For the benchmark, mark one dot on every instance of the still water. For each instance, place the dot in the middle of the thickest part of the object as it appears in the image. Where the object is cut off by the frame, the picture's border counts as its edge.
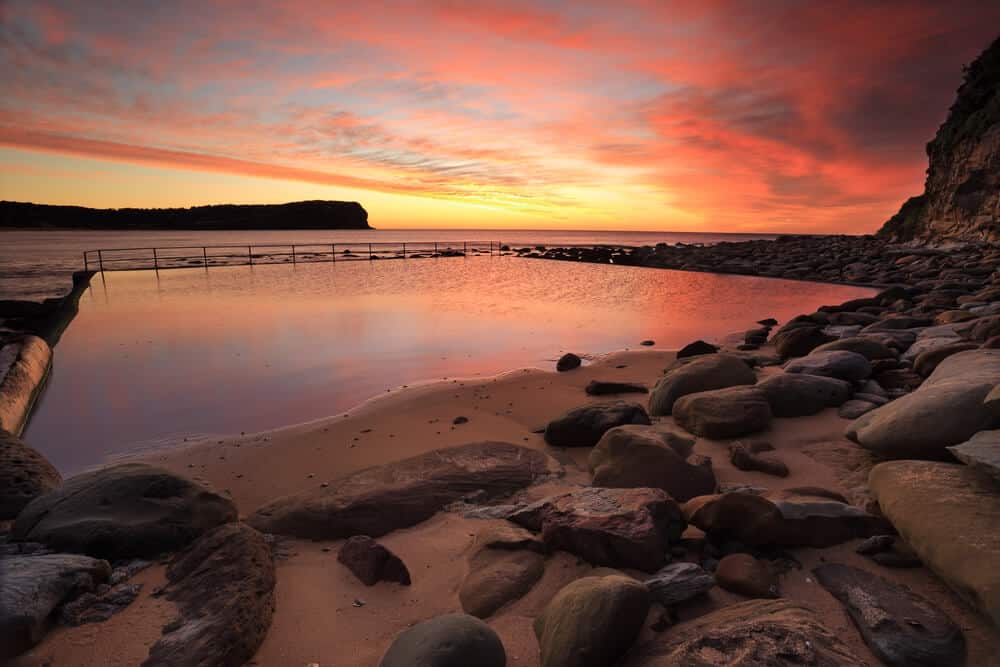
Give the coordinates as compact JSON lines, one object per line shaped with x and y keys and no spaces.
{"x":154,"y":357}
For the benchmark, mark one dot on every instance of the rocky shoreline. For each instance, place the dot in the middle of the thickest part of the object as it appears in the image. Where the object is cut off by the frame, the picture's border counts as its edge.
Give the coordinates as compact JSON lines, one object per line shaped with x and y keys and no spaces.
{"x":825,"y":492}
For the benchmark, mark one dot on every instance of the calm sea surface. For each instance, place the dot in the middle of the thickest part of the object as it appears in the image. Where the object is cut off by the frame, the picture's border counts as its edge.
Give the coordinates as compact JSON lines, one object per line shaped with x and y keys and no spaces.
{"x":37,"y":264}
{"x":154,"y":357}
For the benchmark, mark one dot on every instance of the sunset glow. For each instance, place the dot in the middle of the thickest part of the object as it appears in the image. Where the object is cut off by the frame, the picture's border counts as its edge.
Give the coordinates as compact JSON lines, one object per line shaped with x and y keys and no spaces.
{"x":720,"y":116}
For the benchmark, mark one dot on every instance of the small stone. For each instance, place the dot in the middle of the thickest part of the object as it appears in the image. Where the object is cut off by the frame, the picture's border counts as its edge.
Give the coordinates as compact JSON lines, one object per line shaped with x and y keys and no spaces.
{"x":744,"y":574}
{"x":371,"y":562}
{"x":460,"y":420}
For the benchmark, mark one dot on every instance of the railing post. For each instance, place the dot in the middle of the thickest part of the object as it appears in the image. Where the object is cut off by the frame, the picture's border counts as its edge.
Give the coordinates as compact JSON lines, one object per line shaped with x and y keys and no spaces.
{"x":86,"y":262}
{"x":156,"y":262}
{"x":293,"y":253}
{"x":333,"y":252}
{"x":465,"y":247}
{"x":100,"y":260}
{"x":435,"y":247}
{"x":204,"y":255}
{"x":369,"y":251}
{"x":250,"y":254}
{"x":404,"y":251}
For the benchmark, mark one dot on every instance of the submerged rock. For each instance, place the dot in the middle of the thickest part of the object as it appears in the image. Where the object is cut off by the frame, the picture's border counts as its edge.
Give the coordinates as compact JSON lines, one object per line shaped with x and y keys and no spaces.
{"x":451,"y":640}
{"x":584,"y":426}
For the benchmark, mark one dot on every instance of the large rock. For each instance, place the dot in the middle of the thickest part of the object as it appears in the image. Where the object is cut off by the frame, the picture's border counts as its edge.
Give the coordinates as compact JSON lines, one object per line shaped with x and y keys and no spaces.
{"x":743,"y":574}
{"x":981,"y":452}
{"x":591,"y":622}
{"x":33,"y":587}
{"x":128,"y":510}
{"x":723,"y":413}
{"x":24,"y":475}
{"x":925,"y":362}
{"x":452,"y":640}
{"x":223,"y":586}
{"x":866,"y":346}
{"x":799,"y":395}
{"x":679,"y":582}
{"x":840,"y":364}
{"x":372,"y":562}
{"x":703,"y":373}
{"x":377,"y":500}
{"x":800,"y":341}
{"x":946,"y":410}
{"x":948,"y":514}
{"x":983,"y":329}
{"x":900,"y":627}
{"x":584,"y":426}
{"x":642,"y":456}
{"x":899,"y":322}
{"x":498,"y":576}
{"x":618,"y":527}
{"x":24,"y":365}
{"x":756,"y":633}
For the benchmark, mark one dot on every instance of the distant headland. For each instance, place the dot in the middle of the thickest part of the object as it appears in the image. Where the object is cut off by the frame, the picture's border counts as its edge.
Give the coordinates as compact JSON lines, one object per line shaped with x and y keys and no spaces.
{"x":317,"y":214}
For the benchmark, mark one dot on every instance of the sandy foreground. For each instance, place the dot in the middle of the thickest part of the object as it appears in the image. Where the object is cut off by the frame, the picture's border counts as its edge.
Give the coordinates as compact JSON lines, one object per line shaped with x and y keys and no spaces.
{"x":325,"y":616}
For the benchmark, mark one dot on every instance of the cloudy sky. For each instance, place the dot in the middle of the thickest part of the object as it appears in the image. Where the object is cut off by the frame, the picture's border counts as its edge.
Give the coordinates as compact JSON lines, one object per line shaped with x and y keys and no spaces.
{"x":785,"y":116}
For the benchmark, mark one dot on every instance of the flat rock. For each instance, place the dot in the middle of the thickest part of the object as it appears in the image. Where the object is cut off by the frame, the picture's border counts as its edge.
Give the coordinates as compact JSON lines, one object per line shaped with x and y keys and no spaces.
{"x":584,"y":426}
{"x":127,"y":510}
{"x":981,"y":452}
{"x":591,"y":622}
{"x":604,"y":387}
{"x":948,"y":514}
{"x":703,"y":373}
{"x":378,"y":500}
{"x":497,"y":577}
{"x":840,"y":364}
{"x":451,"y":640}
{"x":643,"y":456}
{"x":508,"y":536}
{"x":372,"y":562}
{"x":743,"y":574}
{"x":679,"y":582}
{"x":24,"y":475}
{"x":33,"y":587}
{"x":900,"y":627}
{"x":800,"y":395}
{"x":223,"y":586}
{"x":855,"y":408}
{"x":755,"y":633}
{"x":868,"y":347}
{"x":631,"y":528}
{"x":723,"y":413}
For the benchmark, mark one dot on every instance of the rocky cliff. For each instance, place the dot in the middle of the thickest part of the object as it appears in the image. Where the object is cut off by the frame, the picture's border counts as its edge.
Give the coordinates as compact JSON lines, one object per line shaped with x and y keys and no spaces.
{"x":296,"y":215}
{"x":961,"y":199}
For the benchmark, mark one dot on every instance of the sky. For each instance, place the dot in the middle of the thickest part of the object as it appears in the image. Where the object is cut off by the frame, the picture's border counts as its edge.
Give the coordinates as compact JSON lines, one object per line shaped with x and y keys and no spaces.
{"x":699,"y":115}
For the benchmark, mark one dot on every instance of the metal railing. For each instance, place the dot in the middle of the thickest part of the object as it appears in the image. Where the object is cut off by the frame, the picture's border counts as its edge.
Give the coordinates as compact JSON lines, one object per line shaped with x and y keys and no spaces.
{"x":179,"y":257}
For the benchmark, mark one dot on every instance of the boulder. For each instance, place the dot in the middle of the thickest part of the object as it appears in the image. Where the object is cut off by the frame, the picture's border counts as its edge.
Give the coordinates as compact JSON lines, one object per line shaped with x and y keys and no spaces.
{"x":715,"y":371}
{"x":631,"y":528}
{"x":696,"y":348}
{"x":800,"y":341}
{"x":129,"y":510}
{"x":723,"y":413}
{"x":451,"y":640}
{"x":678,"y":582}
{"x":896,"y":322}
{"x":371,"y":562}
{"x":745,"y":457}
{"x":24,"y":475}
{"x":32,"y":587}
{"x":946,"y":410}
{"x":591,"y":622}
{"x":498,"y":576}
{"x":24,"y":366}
{"x":868,"y":347}
{"x":981,"y":452}
{"x":925,"y":362}
{"x":603,"y":388}
{"x":982,"y":329}
{"x":799,"y":395}
{"x":900,"y":627}
{"x":930,"y":344}
{"x":743,"y":574}
{"x":584,"y":426}
{"x":948,"y":514}
{"x":642,"y":456}
{"x":568,"y":362}
{"x":840,"y":364}
{"x":378,"y":500}
{"x":223,"y":587}
{"x":755,"y":633}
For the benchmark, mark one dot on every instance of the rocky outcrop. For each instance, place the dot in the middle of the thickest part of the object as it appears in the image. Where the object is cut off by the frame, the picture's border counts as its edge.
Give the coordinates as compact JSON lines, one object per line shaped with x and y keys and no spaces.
{"x":24,"y":367}
{"x":24,"y":475}
{"x":446,"y":641}
{"x":377,"y":500}
{"x":961,"y":199}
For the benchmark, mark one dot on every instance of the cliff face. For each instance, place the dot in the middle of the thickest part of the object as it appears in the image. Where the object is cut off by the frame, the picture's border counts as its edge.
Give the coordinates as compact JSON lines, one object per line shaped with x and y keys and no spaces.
{"x":961,"y":199}
{"x":296,"y":215}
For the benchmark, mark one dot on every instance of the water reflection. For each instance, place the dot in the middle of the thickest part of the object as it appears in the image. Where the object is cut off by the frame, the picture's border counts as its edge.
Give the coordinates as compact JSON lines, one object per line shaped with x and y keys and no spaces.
{"x":155,"y":357}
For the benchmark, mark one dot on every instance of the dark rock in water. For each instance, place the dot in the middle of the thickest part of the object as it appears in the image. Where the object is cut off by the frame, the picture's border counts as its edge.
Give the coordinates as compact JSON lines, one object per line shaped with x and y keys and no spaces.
{"x":876,"y":544}
{"x":568,"y":362}
{"x":24,"y":475}
{"x":704,"y":373}
{"x":223,"y":585}
{"x":769,"y":322}
{"x":377,"y":500}
{"x":840,"y":364}
{"x":602,"y":388}
{"x":648,"y":343}
{"x":755,"y":633}
{"x":743,"y":457}
{"x":799,"y":395}
{"x":591,"y":622}
{"x":497,"y":577}
{"x":696,"y":348}
{"x":678,"y":582}
{"x":123,"y":511}
{"x":371,"y":562}
{"x":643,"y":456}
{"x":584,"y":426}
{"x":452,"y":640}
{"x":799,"y":341}
{"x":631,"y":528}
{"x":900,"y":627}
{"x":744,"y":574}
{"x":756,"y":336}
{"x":723,"y":413}
{"x":33,"y":587}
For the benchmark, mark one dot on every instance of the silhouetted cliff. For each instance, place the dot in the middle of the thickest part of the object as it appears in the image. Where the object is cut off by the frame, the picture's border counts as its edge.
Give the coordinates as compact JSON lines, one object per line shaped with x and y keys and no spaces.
{"x":961,"y":199}
{"x":296,"y":215}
